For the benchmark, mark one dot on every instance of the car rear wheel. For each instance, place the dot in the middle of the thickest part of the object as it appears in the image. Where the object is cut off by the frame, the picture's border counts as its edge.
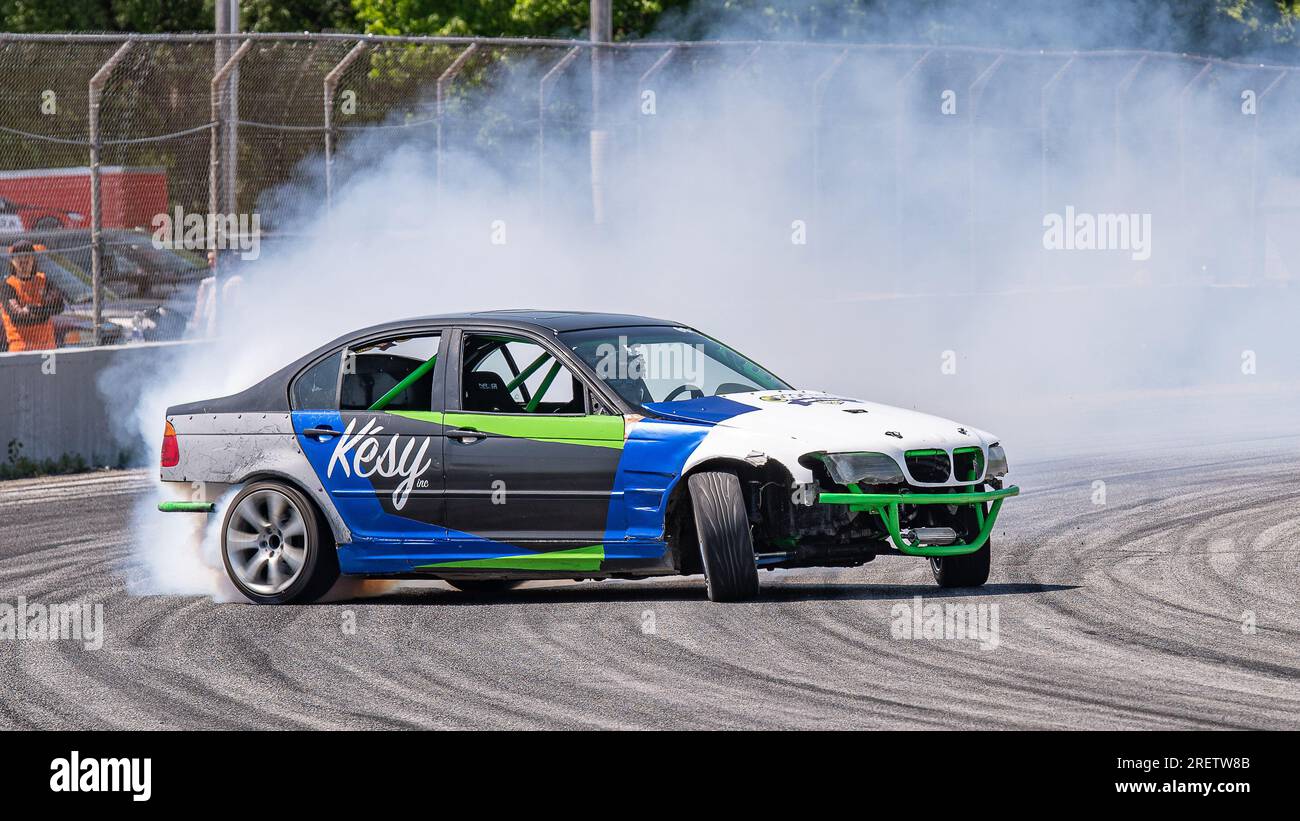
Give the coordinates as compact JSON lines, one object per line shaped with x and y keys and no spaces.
{"x":971,"y":570}
{"x":483,"y":585}
{"x":275,"y":547}
{"x":726,"y":546}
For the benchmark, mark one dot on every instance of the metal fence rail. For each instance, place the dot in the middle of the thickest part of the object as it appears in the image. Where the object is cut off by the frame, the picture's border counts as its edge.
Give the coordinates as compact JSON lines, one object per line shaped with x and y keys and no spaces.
{"x":211,"y":124}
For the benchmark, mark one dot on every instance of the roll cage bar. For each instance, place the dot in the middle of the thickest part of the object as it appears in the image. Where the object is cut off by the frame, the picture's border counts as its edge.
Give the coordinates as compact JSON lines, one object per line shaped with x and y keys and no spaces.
{"x":446,"y":366}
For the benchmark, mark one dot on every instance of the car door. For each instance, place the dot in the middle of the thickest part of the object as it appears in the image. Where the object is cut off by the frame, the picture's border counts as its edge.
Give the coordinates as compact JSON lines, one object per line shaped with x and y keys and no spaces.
{"x":368,"y":419}
{"x":530,"y":455}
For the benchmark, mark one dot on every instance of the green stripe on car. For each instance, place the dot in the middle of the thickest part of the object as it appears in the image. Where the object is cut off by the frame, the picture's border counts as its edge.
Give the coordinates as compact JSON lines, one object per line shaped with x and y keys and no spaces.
{"x":592,"y":431}
{"x":577,"y":558}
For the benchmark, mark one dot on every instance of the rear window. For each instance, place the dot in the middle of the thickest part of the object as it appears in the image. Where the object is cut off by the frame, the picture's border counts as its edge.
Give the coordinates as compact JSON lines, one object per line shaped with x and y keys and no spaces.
{"x":317,"y":387}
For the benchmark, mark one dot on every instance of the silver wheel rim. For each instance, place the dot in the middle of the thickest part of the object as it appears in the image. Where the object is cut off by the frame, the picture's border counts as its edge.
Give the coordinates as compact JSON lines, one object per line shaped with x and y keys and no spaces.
{"x":266,"y":542}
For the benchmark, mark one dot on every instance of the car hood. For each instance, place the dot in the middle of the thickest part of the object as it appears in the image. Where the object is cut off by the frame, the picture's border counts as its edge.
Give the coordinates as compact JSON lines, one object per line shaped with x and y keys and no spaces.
{"x":823,"y":421}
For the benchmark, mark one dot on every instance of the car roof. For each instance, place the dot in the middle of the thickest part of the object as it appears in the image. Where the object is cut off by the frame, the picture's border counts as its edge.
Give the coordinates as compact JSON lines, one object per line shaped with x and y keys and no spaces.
{"x":272,"y":393}
{"x":531,"y":319}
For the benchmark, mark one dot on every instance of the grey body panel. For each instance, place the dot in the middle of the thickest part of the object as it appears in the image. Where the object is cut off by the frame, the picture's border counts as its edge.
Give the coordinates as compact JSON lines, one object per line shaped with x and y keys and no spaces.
{"x":223,"y":449}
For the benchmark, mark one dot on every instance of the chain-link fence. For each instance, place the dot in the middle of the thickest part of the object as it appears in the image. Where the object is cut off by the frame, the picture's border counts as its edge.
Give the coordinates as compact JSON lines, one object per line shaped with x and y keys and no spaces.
{"x":109,"y":142}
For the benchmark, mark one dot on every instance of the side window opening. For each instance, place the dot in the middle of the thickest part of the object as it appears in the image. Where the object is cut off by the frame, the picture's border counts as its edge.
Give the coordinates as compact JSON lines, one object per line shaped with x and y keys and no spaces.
{"x":392,"y":375}
{"x":504,"y":374}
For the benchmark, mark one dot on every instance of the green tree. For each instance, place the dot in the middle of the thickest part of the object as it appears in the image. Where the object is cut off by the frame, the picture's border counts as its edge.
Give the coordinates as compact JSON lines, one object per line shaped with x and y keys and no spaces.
{"x":505,"y":18}
{"x":150,"y":16}
{"x":1263,"y":23}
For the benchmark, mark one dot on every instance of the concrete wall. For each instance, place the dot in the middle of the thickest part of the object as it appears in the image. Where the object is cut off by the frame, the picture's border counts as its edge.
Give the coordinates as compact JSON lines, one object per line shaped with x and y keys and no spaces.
{"x":52,"y":402}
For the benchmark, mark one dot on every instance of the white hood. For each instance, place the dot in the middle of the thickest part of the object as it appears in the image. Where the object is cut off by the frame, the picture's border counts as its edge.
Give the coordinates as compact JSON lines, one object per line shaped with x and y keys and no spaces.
{"x":787,"y":424}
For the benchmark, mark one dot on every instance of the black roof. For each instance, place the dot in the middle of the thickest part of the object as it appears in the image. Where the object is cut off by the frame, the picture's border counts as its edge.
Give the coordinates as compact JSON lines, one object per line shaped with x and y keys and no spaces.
{"x":548,"y":320}
{"x":272,"y":393}
{"x":536,"y":320}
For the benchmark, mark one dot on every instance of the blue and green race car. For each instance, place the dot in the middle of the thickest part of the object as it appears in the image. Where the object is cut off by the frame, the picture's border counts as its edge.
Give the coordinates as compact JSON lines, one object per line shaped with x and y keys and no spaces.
{"x":490,"y":448}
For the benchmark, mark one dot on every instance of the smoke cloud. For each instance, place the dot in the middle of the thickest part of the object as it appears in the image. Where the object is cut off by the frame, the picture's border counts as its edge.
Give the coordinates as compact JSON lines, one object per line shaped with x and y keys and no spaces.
{"x":1081,"y":253}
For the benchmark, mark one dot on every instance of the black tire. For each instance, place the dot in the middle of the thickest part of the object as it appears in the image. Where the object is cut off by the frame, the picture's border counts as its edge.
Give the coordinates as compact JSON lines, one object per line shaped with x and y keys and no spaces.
{"x":320,"y":566}
{"x":971,"y":570}
{"x":726,"y":546}
{"x":484,"y":585}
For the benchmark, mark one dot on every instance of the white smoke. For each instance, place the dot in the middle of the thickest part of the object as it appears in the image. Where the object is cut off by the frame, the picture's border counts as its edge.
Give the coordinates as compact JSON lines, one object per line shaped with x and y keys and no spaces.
{"x":901,"y":292}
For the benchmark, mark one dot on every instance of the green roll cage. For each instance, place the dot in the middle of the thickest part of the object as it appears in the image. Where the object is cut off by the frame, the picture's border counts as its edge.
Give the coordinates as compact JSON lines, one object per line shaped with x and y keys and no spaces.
{"x":519,"y":378}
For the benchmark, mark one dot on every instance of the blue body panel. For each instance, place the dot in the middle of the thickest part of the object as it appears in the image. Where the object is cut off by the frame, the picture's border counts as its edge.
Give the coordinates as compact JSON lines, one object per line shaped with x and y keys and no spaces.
{"x":386,"y":542}
{"x":653,"y":456}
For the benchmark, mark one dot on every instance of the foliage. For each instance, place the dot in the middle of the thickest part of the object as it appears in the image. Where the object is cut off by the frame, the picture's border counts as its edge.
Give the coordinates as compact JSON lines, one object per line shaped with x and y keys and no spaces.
{"x":19,"y":466}
{"x":172,"y":15}
{"x":1226,"y":28}
{"x":504,"y":18}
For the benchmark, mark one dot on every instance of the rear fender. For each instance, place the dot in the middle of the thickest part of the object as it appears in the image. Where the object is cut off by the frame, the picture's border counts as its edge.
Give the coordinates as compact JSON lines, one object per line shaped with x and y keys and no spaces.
{"x":235,"y":448}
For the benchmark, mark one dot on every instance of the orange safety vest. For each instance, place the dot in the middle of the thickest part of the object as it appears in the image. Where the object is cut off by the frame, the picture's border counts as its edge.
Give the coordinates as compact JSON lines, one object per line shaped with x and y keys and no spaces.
{"x":38,"y":336}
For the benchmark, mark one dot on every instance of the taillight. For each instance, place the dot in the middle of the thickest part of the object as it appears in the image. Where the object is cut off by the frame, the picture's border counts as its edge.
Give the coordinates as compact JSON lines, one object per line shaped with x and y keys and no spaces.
{"x":171,"y":450}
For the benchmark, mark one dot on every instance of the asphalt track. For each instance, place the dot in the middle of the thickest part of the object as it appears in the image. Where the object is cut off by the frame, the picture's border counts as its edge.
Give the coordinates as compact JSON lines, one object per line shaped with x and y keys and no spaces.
{"x":1127,"y":614}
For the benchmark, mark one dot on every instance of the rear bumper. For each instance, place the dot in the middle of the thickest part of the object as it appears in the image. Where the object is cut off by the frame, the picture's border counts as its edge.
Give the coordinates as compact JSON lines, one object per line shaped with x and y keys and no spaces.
{"x":885,"y":505}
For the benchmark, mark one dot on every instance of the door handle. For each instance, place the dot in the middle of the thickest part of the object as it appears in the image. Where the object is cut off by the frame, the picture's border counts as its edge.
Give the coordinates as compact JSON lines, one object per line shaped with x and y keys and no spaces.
{"x":321,"y":433}
{"x":466,"y":435}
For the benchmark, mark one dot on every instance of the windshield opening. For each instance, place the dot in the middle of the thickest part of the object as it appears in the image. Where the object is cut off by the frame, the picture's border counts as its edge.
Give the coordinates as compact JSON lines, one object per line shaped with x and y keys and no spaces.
{"x":645,"y":364}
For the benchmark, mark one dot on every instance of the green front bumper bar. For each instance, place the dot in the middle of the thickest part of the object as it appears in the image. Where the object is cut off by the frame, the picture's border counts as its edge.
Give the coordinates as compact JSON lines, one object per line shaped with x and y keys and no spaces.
{"x":885,"y":505}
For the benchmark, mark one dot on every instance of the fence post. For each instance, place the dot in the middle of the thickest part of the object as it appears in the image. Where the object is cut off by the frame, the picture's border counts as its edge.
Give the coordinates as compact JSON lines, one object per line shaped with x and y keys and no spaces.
{"x":1185,"y":222}
{"x":819,"y":96}
{"x":602,"y":33}
{"x":974,"y":92}
{"x":1258,"y":254}
{"x":96,"y":204}
{"x":899,"y":137}
{"x":444,"y":81}
{"x":1121,"y":89}
{"x":642,"y":84}
{"x":214,"y":168}
{"x":331,"y":86}
{"x":230,"y":140}
{"x":549,"y":79}
{"x":1044,"y":95}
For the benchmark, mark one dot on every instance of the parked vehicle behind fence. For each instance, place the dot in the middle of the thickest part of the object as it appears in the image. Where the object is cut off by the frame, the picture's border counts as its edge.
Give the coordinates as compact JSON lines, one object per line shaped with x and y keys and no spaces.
{"x":122,"y":319}
{"x":49,"y":198}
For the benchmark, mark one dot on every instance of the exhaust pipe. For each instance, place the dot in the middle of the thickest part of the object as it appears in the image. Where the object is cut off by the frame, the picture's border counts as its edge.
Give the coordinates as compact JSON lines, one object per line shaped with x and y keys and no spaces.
{"x":931,"y":535}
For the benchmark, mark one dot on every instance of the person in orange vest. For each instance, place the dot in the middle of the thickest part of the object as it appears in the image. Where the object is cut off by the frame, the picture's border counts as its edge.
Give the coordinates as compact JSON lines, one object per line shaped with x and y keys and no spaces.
{"x":28,"y":303}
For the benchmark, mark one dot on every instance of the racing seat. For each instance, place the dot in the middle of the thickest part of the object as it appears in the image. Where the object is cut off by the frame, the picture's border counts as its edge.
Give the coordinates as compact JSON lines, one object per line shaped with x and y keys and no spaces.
{"x":485,"y":391}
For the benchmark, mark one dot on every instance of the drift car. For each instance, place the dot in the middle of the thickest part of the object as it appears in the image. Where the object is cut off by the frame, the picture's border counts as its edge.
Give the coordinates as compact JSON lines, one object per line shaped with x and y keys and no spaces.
{"x":490,"y":448}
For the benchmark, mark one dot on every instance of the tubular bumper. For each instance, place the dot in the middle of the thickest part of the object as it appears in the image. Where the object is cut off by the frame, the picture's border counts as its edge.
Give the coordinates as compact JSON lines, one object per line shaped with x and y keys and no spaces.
{"x":885,"y":505}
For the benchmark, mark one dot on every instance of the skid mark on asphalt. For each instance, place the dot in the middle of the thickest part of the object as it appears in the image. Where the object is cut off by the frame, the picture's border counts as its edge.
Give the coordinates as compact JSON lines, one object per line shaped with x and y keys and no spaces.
{"x":1126,"y":615}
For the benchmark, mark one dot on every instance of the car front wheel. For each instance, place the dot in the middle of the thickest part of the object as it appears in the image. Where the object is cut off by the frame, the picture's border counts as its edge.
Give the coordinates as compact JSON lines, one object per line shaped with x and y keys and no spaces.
{"x":275,"y":547}
{"x":971,"y":570}
{"x":726,"y":546}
